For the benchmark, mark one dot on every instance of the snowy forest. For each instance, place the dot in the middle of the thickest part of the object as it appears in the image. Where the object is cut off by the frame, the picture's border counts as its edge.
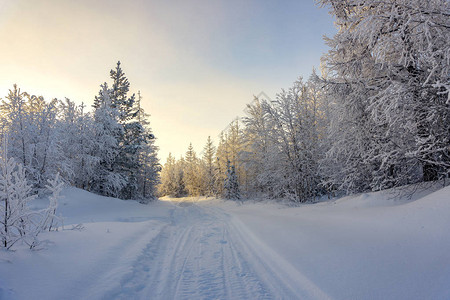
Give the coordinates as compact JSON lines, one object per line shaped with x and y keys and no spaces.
{"x":377,"y":117}
{"x":339,"y":184}
{"x":109,"y":151}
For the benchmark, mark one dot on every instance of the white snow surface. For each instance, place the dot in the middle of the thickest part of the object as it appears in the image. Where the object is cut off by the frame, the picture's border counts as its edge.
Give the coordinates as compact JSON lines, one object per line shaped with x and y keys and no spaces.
{"x":368,"y":246}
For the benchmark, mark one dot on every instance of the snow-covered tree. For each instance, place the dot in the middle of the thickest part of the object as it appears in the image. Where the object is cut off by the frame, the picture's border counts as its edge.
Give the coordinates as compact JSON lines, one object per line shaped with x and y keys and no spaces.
{"x":180,"y":168}
{"x":110,"y":151}
{"x":209,"y":152}
{"x":55,"y":187}
{"x":255,"y":154}
{"x":148,"y":176}
{"x":30,"y":123}
{"x":85,"y":159}
{"x":133,"y":134}
{"x":136,"y":161}
{"x":75,"y":138}
{"x":293,"y":155}
{"x":231,"y":184}
{"x":229,"y":149}
{"x":393,"y":56}
{"x":168,"y":178}
{"x":15,"y":122}
{"x":192,"y":173}
{"x":15,"y":193}
{"x":119,"y":95}
{"x":220,"y":165}
{"x":107,"y":180}
{"x":17,"y":221}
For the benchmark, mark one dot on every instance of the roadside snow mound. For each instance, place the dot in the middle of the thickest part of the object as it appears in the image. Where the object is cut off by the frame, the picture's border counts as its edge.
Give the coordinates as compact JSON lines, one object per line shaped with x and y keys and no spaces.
{"x":362,"y":247}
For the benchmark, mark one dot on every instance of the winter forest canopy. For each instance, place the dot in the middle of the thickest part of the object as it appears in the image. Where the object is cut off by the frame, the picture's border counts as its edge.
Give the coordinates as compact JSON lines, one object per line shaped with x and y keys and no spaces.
{"x":378,"y":116}
{"x":109,"y":151}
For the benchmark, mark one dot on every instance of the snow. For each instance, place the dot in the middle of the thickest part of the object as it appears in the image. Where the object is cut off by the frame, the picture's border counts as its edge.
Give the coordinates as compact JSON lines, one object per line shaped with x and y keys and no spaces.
{"x":367,"y":246}
{"x":357,"y":249}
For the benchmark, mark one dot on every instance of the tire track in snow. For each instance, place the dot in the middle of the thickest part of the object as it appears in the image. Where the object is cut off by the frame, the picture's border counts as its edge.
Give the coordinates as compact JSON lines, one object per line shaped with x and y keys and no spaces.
{"x":144,"y":269}
{"x":280,"y":276}
{"x":204,"y":254}
{"x":108,"y":267}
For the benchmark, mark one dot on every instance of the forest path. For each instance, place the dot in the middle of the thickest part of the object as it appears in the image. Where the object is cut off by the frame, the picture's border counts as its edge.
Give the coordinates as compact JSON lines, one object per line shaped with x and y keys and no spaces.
{"x":203,"y":253}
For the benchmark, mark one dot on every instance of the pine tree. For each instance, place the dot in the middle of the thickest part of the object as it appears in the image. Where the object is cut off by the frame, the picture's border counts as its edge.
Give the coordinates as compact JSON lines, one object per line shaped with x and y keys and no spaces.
{"x":107,"y":181}
{"x":119,"y":95}
{"x":221,"y":164}
{"x":231,"y":184}
{"x":168,"y":178}
{"x":192,"y":176}
{"x":132,"y":137}
{"x":229,"y":149}
{"x":148,"y":176}
{"x":208,"y":162}
{"x":136,"y":161}
{"x":180,"y":167}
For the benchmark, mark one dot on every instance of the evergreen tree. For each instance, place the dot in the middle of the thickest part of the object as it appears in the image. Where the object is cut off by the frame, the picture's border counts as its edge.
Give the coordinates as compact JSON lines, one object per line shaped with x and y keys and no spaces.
{"x":221,"y":164}
{"x":168,"y":178}
{"x":180,"y":167}
{"x":119,"y":95}
{"x":192,"y":176}
{"x":231,"y":184}
{"x":132,"y":138}
{"x":209,"y":169}
{"x":107,"y":181}
{"x":136,"y":161}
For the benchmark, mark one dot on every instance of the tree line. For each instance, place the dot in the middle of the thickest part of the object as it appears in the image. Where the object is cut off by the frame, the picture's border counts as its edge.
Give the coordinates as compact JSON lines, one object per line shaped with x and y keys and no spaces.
{"x":377,"y":117}
{"x":109,"y":151}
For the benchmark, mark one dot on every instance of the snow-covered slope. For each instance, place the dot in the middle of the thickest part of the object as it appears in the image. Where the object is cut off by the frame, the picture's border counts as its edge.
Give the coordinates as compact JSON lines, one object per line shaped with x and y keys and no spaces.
{"x":368,"y":246}
{"x":360,"y":247}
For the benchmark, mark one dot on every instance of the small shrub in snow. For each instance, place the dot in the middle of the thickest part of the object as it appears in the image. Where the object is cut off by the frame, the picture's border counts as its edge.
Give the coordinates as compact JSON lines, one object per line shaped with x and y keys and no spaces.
{"x":17,"y":221}
{"x":15,"y":218}
{"x":55,"y":186}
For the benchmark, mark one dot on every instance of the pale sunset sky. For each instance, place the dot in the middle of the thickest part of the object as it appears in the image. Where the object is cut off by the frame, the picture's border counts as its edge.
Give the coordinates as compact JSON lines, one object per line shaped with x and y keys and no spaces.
{"x":197,"y":63}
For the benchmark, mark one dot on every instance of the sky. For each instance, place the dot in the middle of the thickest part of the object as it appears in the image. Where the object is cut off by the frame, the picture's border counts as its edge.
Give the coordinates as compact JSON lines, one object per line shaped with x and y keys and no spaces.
{"x":197,"y":63}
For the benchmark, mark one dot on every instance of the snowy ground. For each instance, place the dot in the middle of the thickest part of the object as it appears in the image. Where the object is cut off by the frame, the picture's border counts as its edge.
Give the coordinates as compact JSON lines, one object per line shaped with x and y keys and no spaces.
{"x":361,"y":247}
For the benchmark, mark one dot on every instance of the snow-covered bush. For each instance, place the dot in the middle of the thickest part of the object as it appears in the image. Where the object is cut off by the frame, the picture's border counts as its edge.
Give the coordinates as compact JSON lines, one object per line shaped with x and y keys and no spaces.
{"x":55,"y":186}
{"x":17,"y":221}
{"x":15,"y":193}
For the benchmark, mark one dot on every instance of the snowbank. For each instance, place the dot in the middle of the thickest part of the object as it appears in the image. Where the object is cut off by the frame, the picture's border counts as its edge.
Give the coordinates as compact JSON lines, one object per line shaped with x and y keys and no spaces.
{"x":368,"y":246}
{"x":74,"y":262}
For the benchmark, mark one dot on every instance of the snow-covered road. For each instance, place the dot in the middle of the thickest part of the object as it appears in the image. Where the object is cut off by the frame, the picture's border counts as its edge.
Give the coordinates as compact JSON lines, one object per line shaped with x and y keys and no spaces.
{"x":367,"y":246}
{"x":203,"y":253}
